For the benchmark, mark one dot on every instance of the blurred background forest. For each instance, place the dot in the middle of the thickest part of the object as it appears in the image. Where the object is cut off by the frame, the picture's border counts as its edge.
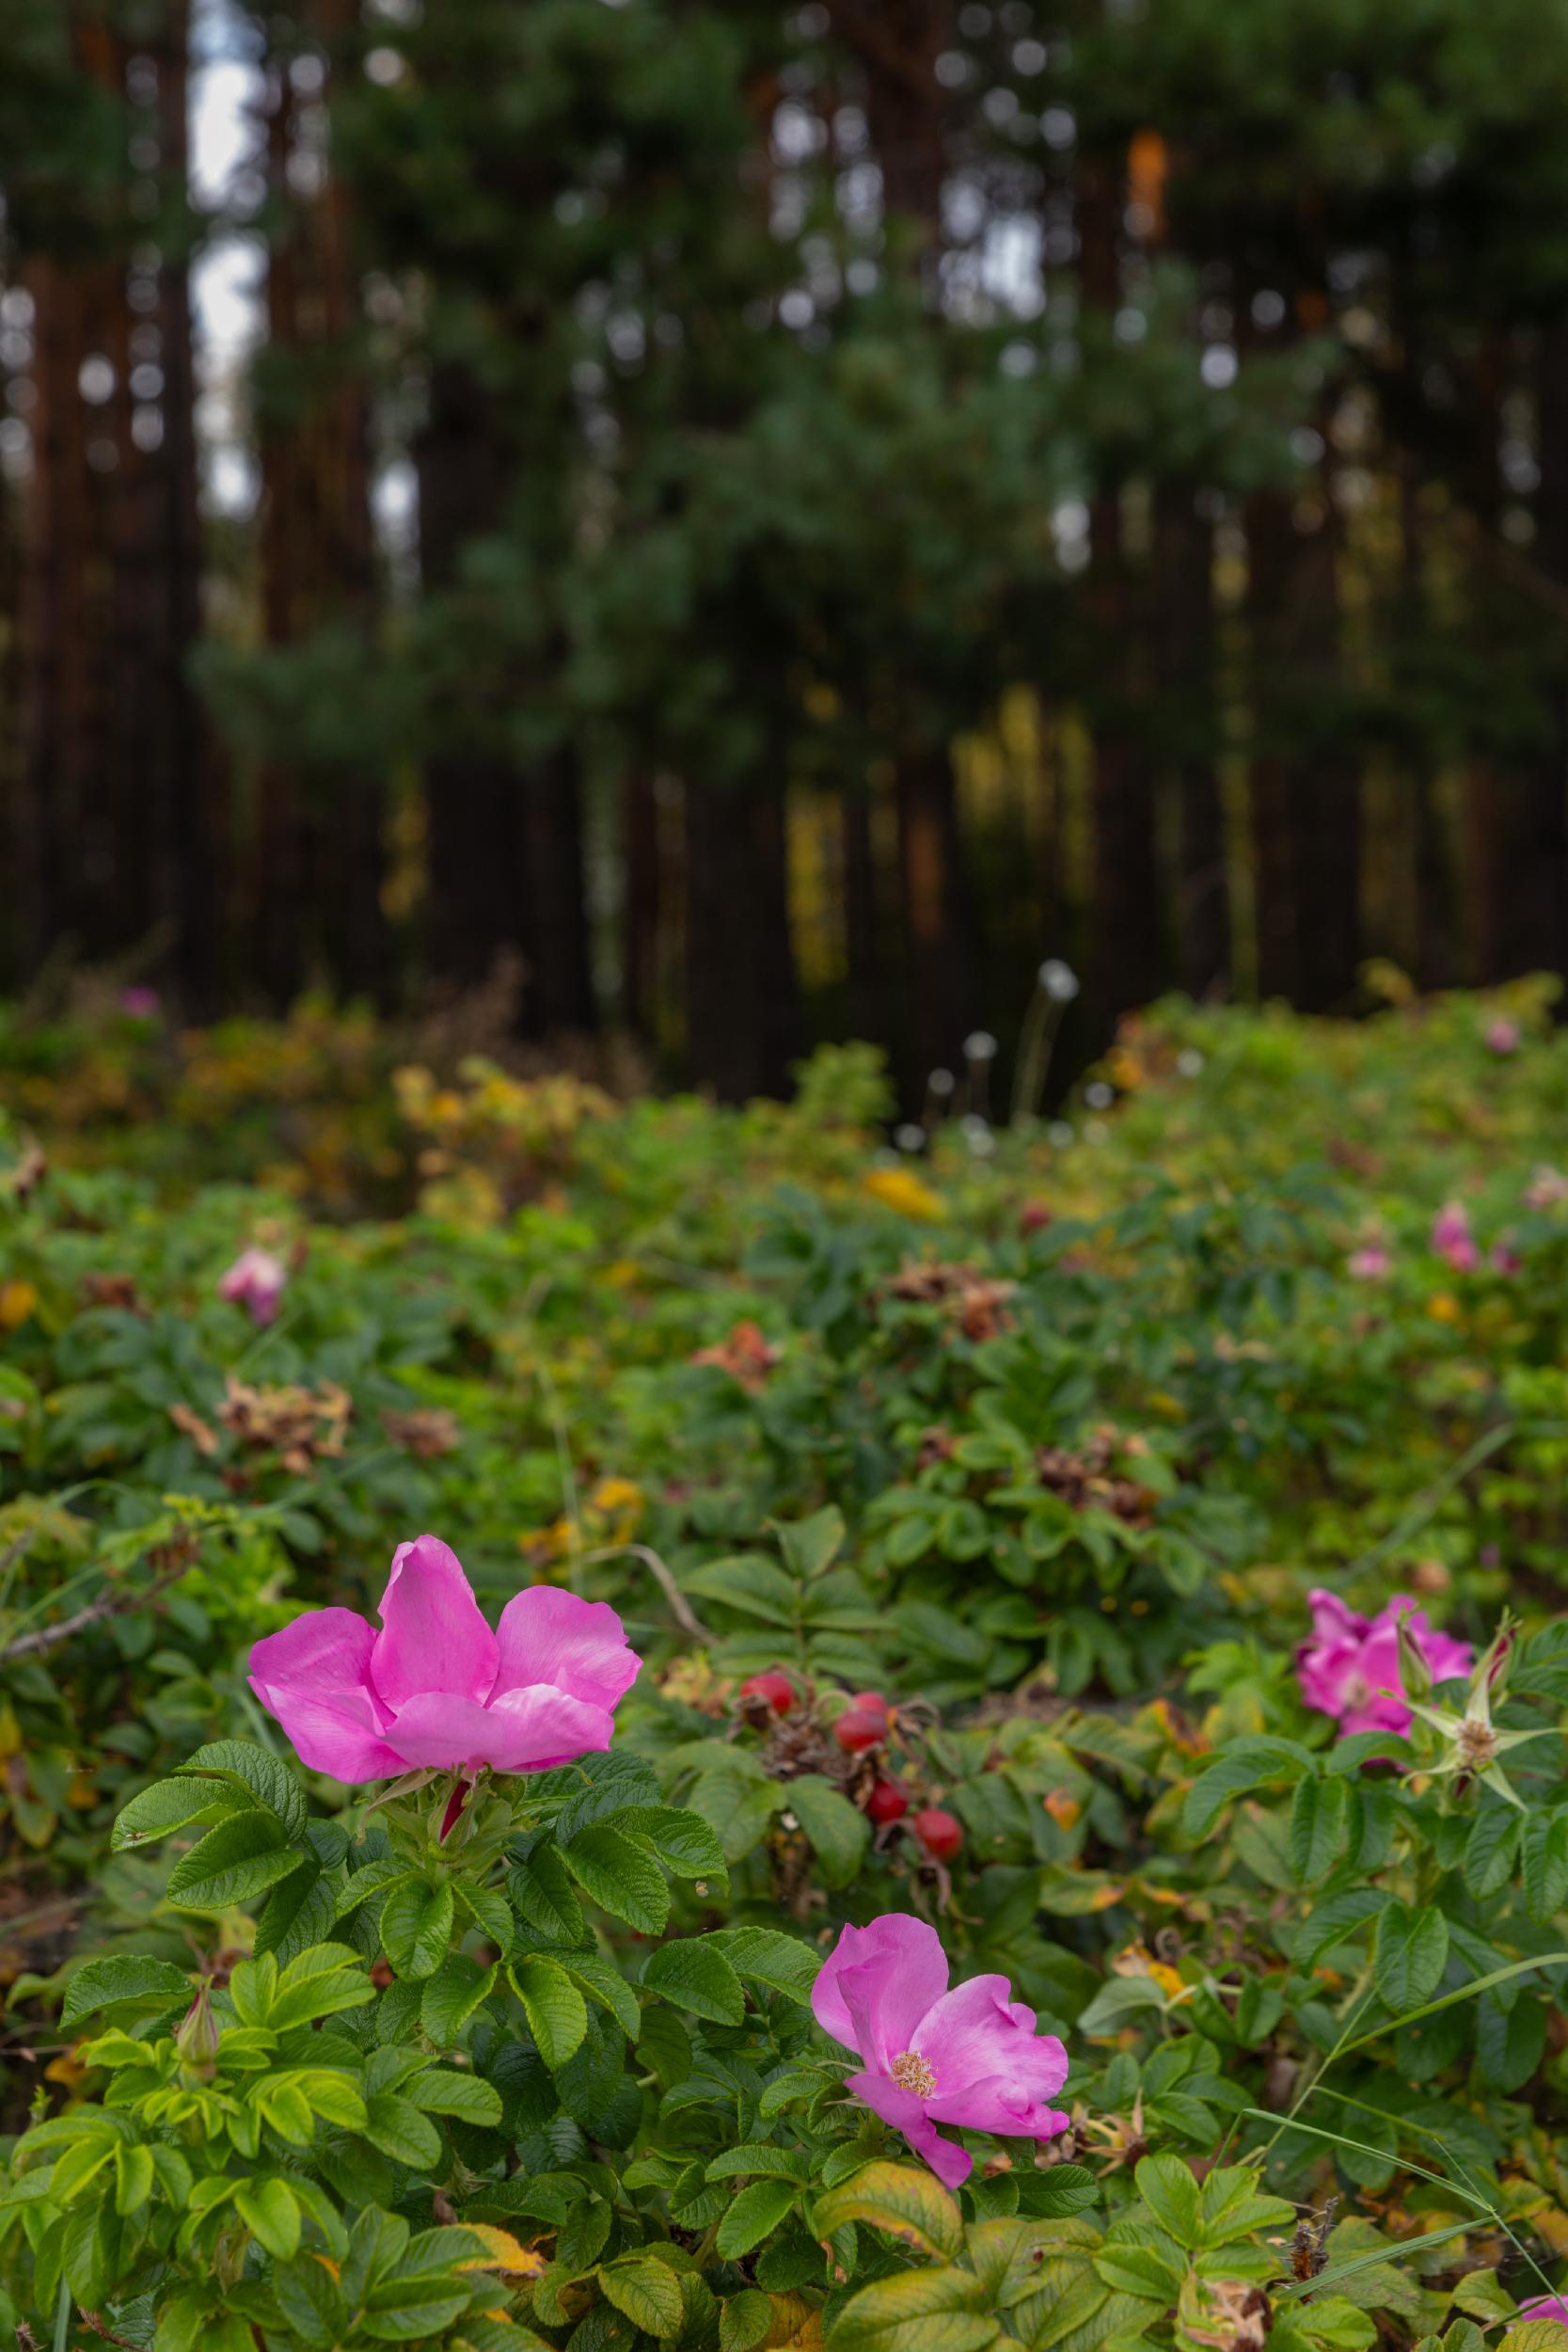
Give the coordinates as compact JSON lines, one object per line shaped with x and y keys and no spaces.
{"x":750,"y":523}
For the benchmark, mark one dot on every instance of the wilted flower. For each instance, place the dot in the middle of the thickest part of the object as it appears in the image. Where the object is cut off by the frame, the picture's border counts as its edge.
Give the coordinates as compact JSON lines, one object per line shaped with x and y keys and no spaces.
{"x":1472,"y":1744}
{"x":435,"y":1687}
{"x":970,"y":2057}
{"x":1501,"y":1036}
{"x":1350,"y":1668}
{"x":1371,"y":1262}
{"x":255,"y":1281}
{"x":1547,"y":1188}
{"x":1452,"y":1239}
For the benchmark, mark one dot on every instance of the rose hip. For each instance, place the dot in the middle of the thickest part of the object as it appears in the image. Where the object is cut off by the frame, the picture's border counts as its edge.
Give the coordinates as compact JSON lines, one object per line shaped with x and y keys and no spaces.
{"x":775,"y":1690}
{"x":858,"y":1730}
{"x":886,"y":1802}
{"x":938,"y":1832}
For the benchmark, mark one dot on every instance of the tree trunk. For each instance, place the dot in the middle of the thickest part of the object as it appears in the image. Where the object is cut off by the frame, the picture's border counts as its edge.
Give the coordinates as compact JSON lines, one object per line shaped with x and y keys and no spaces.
{"x":641,"y":905}
{"x":505,"y":843}
{"x":742,"y":1013}
{"x":941,"y":983}
{"x":1183,"y":586}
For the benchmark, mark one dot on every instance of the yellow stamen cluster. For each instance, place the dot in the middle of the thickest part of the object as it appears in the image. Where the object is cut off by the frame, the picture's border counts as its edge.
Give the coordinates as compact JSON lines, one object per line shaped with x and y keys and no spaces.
{"x":910,"y":2072}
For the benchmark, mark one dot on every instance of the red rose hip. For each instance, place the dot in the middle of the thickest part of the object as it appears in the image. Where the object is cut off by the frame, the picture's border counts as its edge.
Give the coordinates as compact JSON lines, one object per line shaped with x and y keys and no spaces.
{"x":775,"y":1690}
{"x":870,"y":1703}
{"x":858,"y":1730}
{"x":938,"y":1832}
{"x":887,"y":1802}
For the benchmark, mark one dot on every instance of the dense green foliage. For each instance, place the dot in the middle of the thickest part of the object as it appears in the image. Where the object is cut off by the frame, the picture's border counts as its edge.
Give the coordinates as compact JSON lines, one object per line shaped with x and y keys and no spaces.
{"x":1043,"y":1440}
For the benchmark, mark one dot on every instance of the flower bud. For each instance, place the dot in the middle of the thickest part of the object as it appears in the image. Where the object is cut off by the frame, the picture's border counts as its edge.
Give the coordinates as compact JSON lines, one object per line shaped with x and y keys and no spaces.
{"x":1414,"y":1673}
{"x":197,"y":2040}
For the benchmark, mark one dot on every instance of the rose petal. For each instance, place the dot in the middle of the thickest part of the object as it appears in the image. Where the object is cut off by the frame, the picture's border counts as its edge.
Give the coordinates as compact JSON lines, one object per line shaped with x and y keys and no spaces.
{"x":524,"y":1731}
{"x":977,"y":2035}
{"x":876,"y":1984}
{"x":548,"y":1635}
{"x":314,"y":1676}
{"x":434,"y":1637}
{"x":905,"y":2113}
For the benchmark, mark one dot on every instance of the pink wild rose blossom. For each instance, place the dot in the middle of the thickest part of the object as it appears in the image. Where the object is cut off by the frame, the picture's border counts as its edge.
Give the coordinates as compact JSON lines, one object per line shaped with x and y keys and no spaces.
{"x":1371,"y":1262}
{"x":1502,"y":1036}
{"x":1452,"y":1239}
{"x":970,"y":2056}
{"x":435,"y":1687}
{"x":1349,"y":1667}
{"x":255,"y":1281}
{"x":1546,"y":2307}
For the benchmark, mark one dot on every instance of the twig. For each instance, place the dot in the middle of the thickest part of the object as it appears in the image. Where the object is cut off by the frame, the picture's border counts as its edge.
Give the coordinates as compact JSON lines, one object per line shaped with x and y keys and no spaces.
{"x":91,"y":2319}
{"x":680,"y":1608}
{"x":113,"y":1604}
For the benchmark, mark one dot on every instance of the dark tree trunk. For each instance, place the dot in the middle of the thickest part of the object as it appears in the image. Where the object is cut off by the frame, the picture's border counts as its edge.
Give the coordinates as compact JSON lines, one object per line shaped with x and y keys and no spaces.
{"x":1183,"y":585}
{"x":1536,"y":876}
{"x":506,"y":857}
{"x":1278,"y":946}
{"x":864,"y":963}
{"x":641,"y":905}
{"x":940,"y":979}
{"x":1325,"y":794}
{"x":743,"y":1014}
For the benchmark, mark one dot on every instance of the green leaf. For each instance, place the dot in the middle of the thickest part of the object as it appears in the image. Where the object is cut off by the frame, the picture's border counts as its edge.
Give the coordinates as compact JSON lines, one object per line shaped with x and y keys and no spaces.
{"x":1489,"y":1851}
{"x":168,"y":1804}
{"x":754,"y":2214}
{"x":758,"y":2157}
{"x":452,"y":1995}
{"x":620,"y":1876}
{"x":683,"y":1840}
{"x":415,"y":1928}
{"x":321,"y":1981}
{"x":648,"y":2291}
{"x":399,"y":2131}
{"x":270,"y":2213}
{"x":133,"y":2177}
{"x":236,"y":1861}
{"x":1510,"y":2041}
{"x":810,"y":1546}
{"x":1536,"y":2335}
{"x":245,"y":1767}
{"x":1246,"y":1764}
{"x":928,"y":2310}
{"x":696,"y":1978}
{"x":603,"y":1982}
{"x":541,"y":1893}
{"x":839,"y":1832}
{"x":1545,"y":1865}
{"x":751,"y":1586}
{"x":557,"y":2017}
{"x":905,"y":2199}
{"x":746,"y":2318}
{"x":441,"y":2090}
{"x":1320,"y":1827}
{"x":155,"y":1985}
{"x":768,"y":1957}
{"x":1168,"y":2189}
{"x":1129,"y":2268}
{"x":1410,"y":1955}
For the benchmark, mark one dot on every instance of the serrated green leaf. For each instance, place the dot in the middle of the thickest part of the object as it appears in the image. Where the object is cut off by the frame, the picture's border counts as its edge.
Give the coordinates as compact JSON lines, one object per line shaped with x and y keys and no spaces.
{"x":621,"y":1876}
{"x":556,"y":2014}
{"x":697,"y":1978}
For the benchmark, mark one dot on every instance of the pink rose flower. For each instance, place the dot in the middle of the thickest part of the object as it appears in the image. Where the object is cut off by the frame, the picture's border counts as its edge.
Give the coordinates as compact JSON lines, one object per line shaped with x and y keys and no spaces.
{"x":435,"y":1687}
{"x":255,"y":1281}
{"x":1371,"y":1262}
{"x":1501,"y":1036}
{"x":970,"y":2056}
{"x":1546,"y":2306}
{"x":1452,"y":1239}
{"x":1350,"y":1668}
{"x":1503,"y":1259}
